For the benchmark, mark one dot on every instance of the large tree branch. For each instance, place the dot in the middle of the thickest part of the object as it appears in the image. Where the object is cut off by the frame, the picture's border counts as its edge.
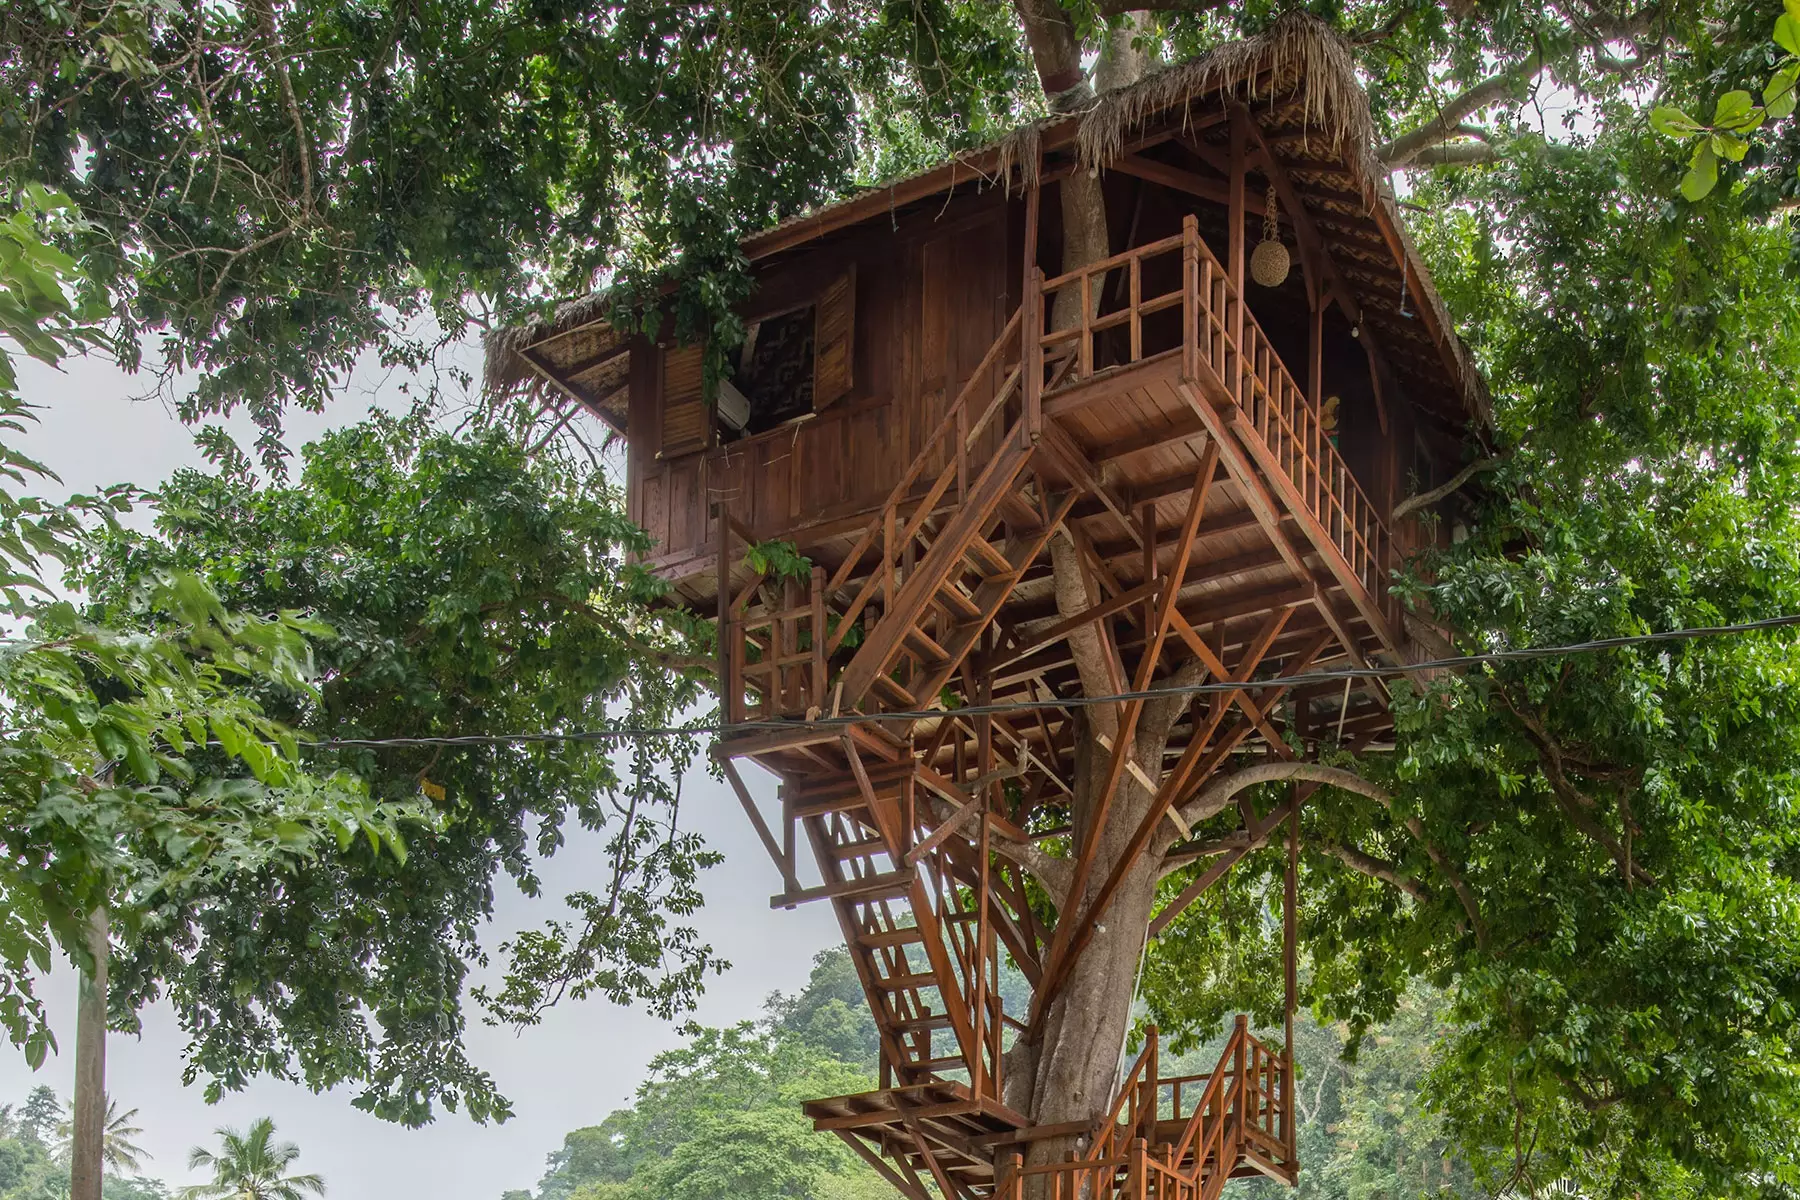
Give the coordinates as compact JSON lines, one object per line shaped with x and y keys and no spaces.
{"x":1375,"y":868}
{"x":1414,"y":503}
{"x":1447,"y":124}
{"x":1216,"y":795}
{"x":1575,"y":804}
{"x":1451,"y":154}
{"x":1052,"y":872}
{"x":1593,"y":29}
{"x":1159,"y":715}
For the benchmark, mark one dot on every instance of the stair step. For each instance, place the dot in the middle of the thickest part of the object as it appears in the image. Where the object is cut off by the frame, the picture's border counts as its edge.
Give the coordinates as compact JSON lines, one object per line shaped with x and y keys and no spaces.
{"x":905,"y":983}
{"x":933,"y":1021}
{"x":906,"y":935}
{"x":868,"y":846}
{"x":952,"y":596}
{"x":892,"y":690}
{"x":985,"y":549}
{"x":927,"y":643}
{"x":873,"y":887}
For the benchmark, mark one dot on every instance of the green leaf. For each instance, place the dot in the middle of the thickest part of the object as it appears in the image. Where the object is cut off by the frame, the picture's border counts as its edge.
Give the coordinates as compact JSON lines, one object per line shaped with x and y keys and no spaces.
{"x":1672,"y":122}
{"x":1702,"y":174}
{"x":1778,"y":97}
{"x":1787,"y":32}
{"x":1737,"y":111}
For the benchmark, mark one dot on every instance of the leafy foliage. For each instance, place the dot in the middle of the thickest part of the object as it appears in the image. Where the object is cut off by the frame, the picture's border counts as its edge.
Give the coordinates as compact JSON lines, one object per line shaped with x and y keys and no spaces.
{"x":476,"y":592}
{"x":139,"y":774}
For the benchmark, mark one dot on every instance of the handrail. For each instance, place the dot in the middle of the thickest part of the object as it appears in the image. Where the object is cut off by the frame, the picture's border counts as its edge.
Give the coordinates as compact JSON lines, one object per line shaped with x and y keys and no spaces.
{"x":1289,"y":426}
{"x":1239,"y":1108}
{"x":954,"y":417}
{"x":1220,"y":332}
{"x":1106,"y":1133}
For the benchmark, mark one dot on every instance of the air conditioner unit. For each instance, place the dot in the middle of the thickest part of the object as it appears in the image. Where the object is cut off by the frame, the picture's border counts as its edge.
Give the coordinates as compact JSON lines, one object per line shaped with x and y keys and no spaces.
{"x":733,"y":406}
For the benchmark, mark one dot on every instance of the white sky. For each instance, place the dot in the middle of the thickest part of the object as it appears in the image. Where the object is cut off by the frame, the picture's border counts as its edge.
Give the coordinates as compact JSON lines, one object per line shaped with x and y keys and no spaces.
{"x":584,"y":1060}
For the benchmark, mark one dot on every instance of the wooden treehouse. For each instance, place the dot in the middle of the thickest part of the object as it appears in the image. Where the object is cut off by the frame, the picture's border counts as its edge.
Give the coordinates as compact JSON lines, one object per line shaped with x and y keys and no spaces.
{"x":925,"y":399}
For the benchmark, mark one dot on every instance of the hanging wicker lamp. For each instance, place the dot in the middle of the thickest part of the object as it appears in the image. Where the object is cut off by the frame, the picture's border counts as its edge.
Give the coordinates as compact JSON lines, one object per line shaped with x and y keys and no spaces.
{"x":1269,"y":263}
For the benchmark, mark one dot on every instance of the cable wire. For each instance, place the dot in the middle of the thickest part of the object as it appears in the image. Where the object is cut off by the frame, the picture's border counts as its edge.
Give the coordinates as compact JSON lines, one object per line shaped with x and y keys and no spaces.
{"x":1000,"y":708}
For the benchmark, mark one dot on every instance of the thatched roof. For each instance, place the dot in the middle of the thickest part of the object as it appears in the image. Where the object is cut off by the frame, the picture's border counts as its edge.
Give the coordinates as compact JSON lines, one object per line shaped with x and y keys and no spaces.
{"x":1301,"y":81}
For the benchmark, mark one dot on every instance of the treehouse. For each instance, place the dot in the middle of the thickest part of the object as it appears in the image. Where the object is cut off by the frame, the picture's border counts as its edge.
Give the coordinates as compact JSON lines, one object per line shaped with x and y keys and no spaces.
{"x":1217,"y":418}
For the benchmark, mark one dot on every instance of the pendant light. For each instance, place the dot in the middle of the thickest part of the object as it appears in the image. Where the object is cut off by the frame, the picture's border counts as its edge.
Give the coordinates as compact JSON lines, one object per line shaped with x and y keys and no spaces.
{"x":1269,"y":262}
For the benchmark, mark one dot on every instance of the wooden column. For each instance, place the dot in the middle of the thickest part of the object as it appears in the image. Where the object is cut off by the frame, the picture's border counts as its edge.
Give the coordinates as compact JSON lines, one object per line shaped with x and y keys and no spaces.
{"x":728,"y":700}
{"x":1234,"y":245}
{"x":1315,"y":355}
{"x":1290,"y":930}
{"x":1031,"y":317}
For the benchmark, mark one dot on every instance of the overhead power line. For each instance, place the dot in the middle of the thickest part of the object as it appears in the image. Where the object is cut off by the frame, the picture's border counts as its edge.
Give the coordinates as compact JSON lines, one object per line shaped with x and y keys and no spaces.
{"x":1334,"y":675}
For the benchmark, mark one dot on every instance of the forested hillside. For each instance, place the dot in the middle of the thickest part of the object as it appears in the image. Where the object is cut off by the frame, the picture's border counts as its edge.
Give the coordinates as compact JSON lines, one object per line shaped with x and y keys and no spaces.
{"x":34,"y":1163}
{"x":721,"y":1118}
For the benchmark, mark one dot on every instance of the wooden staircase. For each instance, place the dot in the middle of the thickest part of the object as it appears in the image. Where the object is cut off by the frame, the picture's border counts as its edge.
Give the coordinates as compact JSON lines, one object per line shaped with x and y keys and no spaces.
{"x":923,"y":951}
{"x":1178,"y":1139}
{"x":899,"y":813}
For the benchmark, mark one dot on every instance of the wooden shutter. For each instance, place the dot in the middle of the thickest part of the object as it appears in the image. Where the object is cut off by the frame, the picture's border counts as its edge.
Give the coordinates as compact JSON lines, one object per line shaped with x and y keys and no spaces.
{"x":686,"y":423}
{"x":834,"y":337}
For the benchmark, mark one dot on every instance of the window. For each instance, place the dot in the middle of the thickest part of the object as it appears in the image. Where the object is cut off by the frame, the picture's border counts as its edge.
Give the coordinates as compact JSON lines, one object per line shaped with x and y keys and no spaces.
{"x":771,"y":376}
{"x":791,"y":364}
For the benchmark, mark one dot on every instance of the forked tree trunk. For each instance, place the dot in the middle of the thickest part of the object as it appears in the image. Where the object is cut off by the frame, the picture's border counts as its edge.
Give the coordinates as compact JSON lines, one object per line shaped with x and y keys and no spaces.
{"x":1071,"y":1073}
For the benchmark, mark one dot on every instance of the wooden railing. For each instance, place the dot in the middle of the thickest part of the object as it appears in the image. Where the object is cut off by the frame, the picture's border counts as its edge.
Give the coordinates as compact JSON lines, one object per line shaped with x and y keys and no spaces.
{"x":1237,"y":1113}
{"x":773,"y":639}
{"x":958,"y":432}
{"x":1219,"y":336}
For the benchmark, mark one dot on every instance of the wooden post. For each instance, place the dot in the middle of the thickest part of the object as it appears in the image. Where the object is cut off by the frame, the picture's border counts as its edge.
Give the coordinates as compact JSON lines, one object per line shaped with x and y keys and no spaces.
{"x":1290,"y":931}
{"x":1139,"y":1177}
{"x":819,"y":638}
{"x":1241,"y":1036}
{"x":1031,"y":302}
{"x":728,"y":641}
{"x":1137,"y":298}
{"x":1151,"y":1083}
{"x":1234,"y":257}
{"x":1190,"y":297}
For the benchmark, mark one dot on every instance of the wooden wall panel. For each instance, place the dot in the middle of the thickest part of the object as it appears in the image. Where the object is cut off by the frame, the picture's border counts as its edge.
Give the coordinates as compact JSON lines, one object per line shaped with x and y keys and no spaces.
{"x":931,"y":297}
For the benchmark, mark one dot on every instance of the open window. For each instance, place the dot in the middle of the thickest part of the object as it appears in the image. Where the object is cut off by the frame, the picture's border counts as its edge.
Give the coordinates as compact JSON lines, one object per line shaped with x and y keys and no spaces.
{"x":791,"y":364}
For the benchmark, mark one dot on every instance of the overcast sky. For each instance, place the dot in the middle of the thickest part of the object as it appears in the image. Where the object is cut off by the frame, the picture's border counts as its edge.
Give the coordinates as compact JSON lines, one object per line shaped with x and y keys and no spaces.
{"x":585,"y":1060}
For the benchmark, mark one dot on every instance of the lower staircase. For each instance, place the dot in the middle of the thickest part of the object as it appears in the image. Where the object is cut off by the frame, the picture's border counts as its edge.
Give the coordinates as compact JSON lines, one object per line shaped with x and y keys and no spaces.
{"x":1178,"y":1139}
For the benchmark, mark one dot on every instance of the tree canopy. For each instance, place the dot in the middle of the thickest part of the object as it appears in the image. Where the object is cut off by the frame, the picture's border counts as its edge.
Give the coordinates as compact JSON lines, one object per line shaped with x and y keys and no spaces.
{"x":473,"y":591}
{"x":1593,"y":856}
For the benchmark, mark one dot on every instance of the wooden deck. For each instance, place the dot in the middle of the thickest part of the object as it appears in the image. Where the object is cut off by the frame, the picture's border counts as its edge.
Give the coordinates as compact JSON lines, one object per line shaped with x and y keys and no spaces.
{"x":1190,"y":475}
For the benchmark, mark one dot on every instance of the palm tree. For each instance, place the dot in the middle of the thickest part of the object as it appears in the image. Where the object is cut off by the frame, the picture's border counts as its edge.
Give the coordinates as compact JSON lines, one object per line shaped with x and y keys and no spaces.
{"x":117,"y":1150}
{"x":250,"y":1166}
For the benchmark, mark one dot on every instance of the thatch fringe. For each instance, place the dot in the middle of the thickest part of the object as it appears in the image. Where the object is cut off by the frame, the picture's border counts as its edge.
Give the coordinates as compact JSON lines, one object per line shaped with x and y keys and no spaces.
{"x":1298,"y":54}
{"x":1020,"y":151}
{"x":505,"y":370}
{"x":1299,"y":57}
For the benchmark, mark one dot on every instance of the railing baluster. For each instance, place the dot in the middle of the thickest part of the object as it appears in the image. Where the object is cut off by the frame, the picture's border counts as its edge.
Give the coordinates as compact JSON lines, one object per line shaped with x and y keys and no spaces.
{"x":1085,"y":359}
{"x":1137,"y":297}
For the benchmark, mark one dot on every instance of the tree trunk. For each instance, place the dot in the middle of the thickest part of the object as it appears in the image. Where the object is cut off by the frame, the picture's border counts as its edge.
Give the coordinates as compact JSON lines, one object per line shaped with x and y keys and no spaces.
{"x":1071,"y":1073}
{"x":86,"y":1162}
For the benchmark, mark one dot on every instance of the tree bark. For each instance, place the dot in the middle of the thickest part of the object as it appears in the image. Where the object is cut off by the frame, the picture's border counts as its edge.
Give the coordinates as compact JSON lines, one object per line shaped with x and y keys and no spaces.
{"x":86,"y":1160}
{"x":1070,"y":1073}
